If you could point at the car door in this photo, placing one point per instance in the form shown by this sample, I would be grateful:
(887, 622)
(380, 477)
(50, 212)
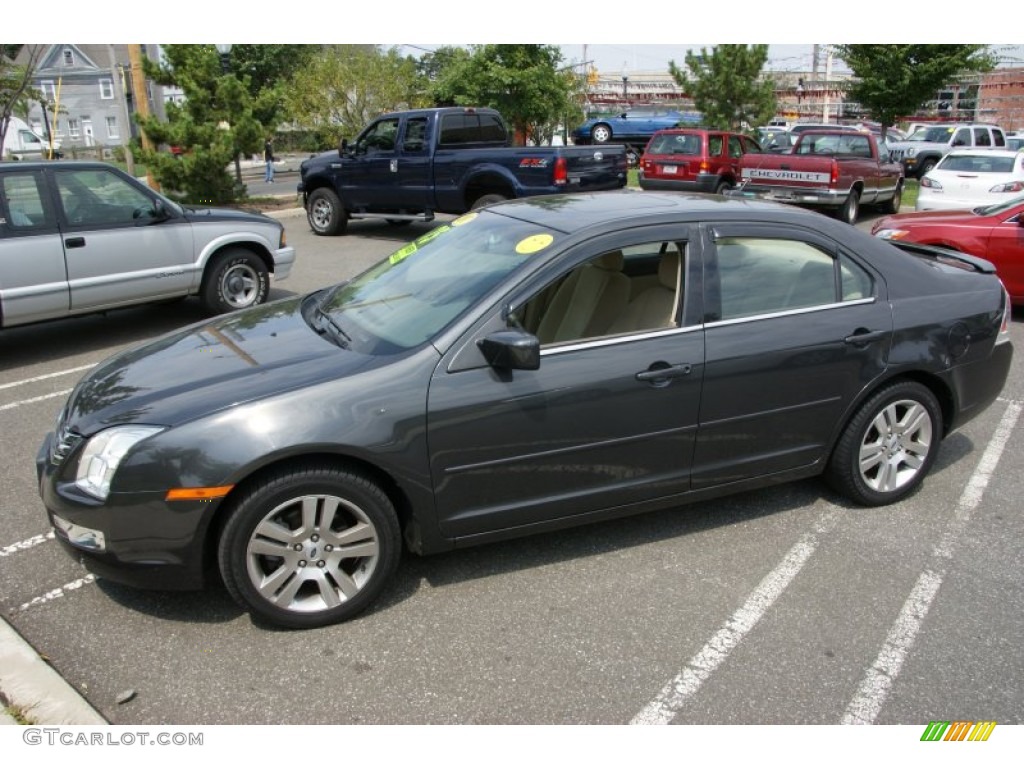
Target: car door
(33, 276)
(795, 329)
(370, 172)
(413, 165)
(117, 249)
(608, 418)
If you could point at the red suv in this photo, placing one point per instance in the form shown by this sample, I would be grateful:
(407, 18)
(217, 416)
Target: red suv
(694, 159)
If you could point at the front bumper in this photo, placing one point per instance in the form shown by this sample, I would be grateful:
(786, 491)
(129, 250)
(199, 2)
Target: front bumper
(146, 541)
(284, 259)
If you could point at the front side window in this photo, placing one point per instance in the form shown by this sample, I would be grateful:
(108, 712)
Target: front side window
(380, 137)
(962, 138)
(621, 291)
(759, 276)
(98, 197)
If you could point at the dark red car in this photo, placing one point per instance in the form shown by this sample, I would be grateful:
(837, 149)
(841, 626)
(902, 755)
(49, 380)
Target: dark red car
(694, 159)
(992, 232)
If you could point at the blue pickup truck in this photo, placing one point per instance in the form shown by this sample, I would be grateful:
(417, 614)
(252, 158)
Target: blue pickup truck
(408, 166)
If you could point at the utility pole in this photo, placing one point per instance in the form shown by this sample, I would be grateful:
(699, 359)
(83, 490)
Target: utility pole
(135, 56)
(123, 100)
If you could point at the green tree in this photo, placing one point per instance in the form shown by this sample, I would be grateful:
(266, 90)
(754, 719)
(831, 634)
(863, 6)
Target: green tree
(525, 83)
(215, 123)
(16, 83)
(266, 71)
(894, 81)
(727, 86)
(343, 87)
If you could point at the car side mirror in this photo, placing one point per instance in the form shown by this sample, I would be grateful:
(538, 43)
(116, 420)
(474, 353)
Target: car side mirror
(515, 350)
(343, 147)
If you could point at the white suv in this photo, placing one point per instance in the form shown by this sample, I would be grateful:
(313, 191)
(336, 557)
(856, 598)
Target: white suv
(81, 237)
(923, 149)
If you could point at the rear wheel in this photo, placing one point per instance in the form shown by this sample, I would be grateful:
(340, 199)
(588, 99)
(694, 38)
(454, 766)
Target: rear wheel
(721, 186)
(888, 447)
(483, 200)
(325, 213)
(601, 133)
(309, 546)
(893, 204)
(851, 208)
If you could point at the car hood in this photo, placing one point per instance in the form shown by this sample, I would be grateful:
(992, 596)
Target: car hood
(225, 214)
(207, 367)
(932, 218)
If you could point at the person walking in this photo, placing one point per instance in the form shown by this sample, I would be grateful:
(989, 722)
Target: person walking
(268, 156)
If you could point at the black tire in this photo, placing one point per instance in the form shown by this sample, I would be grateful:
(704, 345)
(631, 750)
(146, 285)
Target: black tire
(325, 213)
(926, 166)
(483, 200)
(898, 429)
(601, 133)
(892, 205)
(850, 210)
(234, 279)
(721, 186)
(280, 553)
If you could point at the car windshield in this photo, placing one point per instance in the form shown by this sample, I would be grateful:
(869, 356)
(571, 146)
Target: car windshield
(939, 134)
(979, 163)
(420, 289)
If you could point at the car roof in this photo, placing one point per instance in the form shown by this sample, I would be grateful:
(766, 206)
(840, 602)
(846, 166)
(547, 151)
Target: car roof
(25, 165)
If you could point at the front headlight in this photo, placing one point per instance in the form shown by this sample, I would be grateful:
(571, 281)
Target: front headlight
(102, 455)
(911, 151)
(891, 234)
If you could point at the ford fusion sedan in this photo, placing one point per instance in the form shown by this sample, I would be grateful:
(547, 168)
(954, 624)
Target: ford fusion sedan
(992, 232)
(83, 237)
(533, 365)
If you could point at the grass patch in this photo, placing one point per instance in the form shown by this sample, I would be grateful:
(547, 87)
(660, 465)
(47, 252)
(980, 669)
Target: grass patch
(909, 194)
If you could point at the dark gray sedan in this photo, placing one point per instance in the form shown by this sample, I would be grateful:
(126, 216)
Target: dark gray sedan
(533, 365)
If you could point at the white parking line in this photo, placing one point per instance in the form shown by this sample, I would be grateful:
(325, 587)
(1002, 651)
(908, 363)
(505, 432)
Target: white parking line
(880, 677)
(45, 376)
(53, 594)
(19, 403)
(20, 546)
(683, 686)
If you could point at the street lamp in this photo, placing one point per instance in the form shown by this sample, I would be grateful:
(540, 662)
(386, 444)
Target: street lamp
(224, 49)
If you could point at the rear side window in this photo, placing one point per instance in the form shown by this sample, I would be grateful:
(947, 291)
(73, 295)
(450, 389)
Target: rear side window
(675, 144)
(471, 128)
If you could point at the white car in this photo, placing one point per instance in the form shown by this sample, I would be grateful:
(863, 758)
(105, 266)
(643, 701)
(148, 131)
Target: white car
(968, 178)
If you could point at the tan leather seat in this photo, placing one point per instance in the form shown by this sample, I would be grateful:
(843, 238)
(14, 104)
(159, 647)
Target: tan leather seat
(656, 306)
(587, 301)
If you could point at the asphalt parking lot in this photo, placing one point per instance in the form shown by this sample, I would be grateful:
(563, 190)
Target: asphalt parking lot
(784, 605)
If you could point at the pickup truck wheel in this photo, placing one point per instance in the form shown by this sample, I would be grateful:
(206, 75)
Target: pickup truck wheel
(721, 186)
(892, 205)
(851, 208)
(601, 133)
(483, 200)
(926, 167)
(325, 213)
(234, 279)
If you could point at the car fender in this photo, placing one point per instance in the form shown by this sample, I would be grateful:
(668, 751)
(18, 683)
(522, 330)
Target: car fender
(253, 241)
(478, 173)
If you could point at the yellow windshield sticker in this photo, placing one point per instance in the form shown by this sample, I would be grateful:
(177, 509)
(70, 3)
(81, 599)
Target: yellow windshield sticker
(403, 253)
(464, 219)
(533, 243)
(431, 235)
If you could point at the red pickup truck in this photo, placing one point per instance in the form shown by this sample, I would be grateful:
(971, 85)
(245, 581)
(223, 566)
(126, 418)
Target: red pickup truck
(830, 168)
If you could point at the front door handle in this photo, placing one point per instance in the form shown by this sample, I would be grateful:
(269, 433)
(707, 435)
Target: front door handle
(659, 374)
(74, 242)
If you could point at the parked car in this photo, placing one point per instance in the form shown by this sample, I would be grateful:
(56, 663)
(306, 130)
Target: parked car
(992, 232)
(20, 142)
(694, 160)
(533, 365)
(922, 150)
(632, 128)
(82, 237)
(967, 178)
(1015, 143)
(410, 165)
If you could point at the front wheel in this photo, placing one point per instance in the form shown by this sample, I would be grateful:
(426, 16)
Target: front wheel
(892, 205)
(926, 167)
(325, 213)
(851, 208)
(601, 133)
(234, 279)
(309, 546)
(888, 447)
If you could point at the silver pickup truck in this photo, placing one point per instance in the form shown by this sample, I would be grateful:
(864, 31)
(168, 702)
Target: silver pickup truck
(82, 237)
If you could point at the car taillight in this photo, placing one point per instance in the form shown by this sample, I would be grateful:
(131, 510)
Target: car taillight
(931, 183)
(561, 172)
(834, 180)
(704, 166)
(1012, 186)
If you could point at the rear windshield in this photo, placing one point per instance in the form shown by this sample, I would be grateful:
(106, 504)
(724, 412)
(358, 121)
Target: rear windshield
(675, 144)
(977, 164)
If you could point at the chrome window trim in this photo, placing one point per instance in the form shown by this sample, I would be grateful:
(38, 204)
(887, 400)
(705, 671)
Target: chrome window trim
(785, 313)
(607, 341)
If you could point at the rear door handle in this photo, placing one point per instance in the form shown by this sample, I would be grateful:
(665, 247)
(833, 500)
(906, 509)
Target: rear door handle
(863, 336)
(74, 242)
